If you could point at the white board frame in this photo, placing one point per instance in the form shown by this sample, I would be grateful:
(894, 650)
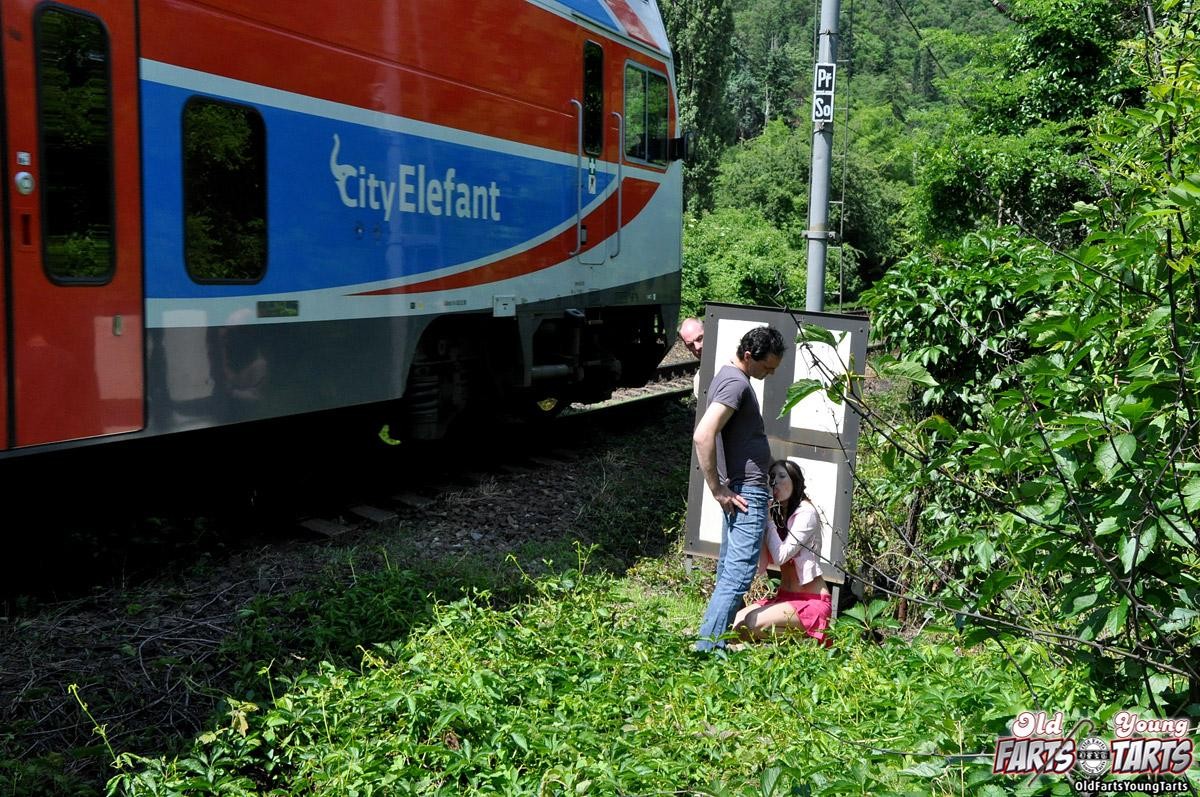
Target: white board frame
(820, 435)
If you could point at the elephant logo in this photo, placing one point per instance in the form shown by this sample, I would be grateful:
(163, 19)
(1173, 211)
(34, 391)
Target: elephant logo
(341, 173)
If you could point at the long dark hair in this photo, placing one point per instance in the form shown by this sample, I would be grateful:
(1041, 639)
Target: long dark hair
(781, 518)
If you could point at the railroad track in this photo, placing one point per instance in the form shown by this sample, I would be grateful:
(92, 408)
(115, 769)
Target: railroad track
(144, 612)
(542, 449)
(158, 506)
(669, 381)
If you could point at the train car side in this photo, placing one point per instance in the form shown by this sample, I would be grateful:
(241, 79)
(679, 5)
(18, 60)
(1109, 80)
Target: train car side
(454, 204)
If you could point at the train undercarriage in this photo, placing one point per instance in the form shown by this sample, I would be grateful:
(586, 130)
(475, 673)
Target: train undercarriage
(528, 367)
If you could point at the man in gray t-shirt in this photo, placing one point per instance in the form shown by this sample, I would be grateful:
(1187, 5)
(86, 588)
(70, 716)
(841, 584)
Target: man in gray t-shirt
(736, 473)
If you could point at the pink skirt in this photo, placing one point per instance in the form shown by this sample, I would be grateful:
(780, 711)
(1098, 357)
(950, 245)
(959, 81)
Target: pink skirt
(812, 609)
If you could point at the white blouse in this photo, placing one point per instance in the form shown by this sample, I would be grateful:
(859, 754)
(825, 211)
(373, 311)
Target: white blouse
(802, 546)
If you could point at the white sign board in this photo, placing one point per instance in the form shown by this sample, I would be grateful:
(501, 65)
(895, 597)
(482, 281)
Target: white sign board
(819, 435)
(824, 76)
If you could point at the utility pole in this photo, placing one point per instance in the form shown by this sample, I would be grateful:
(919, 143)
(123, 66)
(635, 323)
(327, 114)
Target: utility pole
(822, 154)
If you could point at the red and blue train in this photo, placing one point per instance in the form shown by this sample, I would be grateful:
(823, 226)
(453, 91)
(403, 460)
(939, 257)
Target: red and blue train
(223, 211)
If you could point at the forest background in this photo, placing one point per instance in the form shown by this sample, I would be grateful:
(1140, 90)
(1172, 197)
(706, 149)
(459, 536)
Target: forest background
(1018, 184)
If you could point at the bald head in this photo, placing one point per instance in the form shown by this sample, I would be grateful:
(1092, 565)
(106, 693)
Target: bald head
(691, 332)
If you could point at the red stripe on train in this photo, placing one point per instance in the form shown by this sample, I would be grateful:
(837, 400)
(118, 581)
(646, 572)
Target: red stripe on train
(637, 194)
(500, 69)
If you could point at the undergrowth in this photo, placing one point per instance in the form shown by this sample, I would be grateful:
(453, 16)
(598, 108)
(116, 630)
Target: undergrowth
(565, 668)
(589, 686)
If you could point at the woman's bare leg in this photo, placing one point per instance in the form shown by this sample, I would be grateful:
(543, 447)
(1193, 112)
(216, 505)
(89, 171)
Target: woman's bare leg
(756, 622)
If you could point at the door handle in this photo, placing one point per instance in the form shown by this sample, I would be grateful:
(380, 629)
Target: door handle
(620, 186)
(578, 177)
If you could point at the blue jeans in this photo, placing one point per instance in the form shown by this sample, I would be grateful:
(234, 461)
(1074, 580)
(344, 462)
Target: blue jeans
(737, 563)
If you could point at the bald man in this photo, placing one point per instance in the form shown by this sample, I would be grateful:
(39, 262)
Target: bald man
(691, 332)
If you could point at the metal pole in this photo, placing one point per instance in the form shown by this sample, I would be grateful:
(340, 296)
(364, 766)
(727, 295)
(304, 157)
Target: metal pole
(822, 155)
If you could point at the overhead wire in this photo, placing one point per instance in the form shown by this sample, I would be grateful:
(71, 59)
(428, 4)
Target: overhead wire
(921, 39)
(841, 241)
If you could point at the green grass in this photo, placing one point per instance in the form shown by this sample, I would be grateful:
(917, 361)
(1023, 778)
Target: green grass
(588, 686)
(564, 668)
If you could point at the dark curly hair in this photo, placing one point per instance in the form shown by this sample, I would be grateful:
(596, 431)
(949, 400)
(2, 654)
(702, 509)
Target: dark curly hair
(761, 342)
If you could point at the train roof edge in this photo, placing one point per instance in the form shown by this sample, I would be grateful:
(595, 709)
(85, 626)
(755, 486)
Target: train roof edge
(636, 20)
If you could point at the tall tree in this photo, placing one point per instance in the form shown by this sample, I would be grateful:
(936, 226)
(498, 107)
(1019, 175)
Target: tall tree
(1015, 157)
(772, 57)
(701, 34)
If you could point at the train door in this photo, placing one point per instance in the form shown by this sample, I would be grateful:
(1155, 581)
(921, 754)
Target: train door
(593, 178)
(74, 269)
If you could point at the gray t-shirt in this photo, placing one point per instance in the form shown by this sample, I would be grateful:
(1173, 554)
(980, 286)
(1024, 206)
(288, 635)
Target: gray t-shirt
(743, 454)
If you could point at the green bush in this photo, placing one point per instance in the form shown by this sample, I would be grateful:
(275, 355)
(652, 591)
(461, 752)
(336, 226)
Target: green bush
(588, 688)
(737, 256)
(1062, 494)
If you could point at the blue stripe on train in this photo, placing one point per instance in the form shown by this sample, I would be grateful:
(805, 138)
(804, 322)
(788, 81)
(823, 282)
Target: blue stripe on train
(356, 210)
(594, 10)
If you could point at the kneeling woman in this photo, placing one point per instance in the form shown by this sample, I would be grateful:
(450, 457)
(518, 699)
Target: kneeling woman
(793, 539)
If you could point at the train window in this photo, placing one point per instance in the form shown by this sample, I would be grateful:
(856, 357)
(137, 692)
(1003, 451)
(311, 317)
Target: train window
(593, 98)
(75, 119)
(224, 192)
(646, 106)
(635, 113)
(656, 119)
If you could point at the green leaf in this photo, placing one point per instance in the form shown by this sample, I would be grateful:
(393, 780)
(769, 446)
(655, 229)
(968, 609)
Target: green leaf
(958, 541)
(1159, 682)
(858, 611)
(1171, 530)
(903, 369)
(1191, 494)
(938, 424)
(996, 584)
(1179, 619)
(1127, 550)
(1135, 549)
(1116, 616)
(925, 769)
(770, 780)
(811, 333)
(799, 391)
(1068, 465)
(985, 553)
(1135, 411)
(1187, 188)
(1112, 453)
(1082, 603)
(1107, 526)
(1083, 419)
(992, 790)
